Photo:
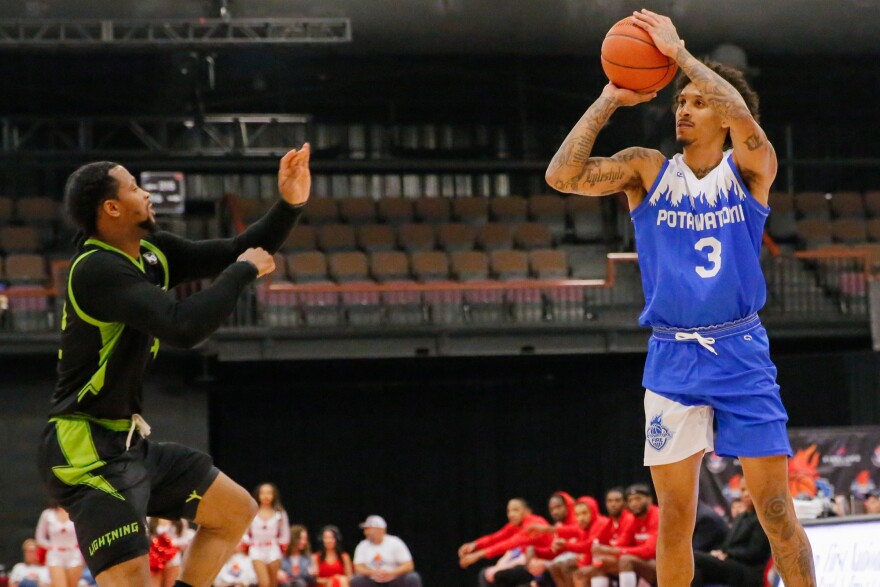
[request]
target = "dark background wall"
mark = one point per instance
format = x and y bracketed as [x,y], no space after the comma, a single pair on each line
[436,446]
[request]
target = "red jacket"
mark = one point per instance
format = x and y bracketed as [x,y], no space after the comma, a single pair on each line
[564,529]
[510,537]
[582,542]
[612,532]
[641,537]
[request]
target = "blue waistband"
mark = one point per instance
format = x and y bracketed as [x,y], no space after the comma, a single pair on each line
[716,331]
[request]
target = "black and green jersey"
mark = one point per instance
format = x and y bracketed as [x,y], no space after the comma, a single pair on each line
[117,309]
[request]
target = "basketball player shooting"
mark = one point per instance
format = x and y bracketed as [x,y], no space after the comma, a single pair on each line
[95,458]
[699,220]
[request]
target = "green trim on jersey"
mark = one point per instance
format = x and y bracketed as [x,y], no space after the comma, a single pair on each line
[123,425]
[79,312]
[163,260]
[110,332]
[139,263]
[75,440]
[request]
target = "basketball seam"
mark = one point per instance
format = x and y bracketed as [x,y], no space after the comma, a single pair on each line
[633,67]
[634,39]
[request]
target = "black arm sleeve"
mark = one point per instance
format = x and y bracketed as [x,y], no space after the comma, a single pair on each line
[188,260]
[109,288]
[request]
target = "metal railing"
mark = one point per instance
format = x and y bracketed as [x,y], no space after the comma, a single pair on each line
[806,287]
[819,284]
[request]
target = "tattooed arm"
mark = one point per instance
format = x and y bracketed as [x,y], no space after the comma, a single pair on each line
[573,170]
[752,151]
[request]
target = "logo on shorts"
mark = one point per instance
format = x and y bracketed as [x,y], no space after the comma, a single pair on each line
[658,434]
[112,536]
[193,497]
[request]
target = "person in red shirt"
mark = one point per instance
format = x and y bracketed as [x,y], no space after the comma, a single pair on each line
[620,516]
[514,534]
[636,550]
[578,543]
[561,508]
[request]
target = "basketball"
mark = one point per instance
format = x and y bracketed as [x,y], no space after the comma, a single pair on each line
[631,60]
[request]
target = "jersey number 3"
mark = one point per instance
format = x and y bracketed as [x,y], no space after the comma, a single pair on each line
[714,246]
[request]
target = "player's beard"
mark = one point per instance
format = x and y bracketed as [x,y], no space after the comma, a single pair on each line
[149,225]
[681,143]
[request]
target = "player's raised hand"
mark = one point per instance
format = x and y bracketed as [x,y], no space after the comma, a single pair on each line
[661,29]
[294,177]
[624,97]
[259,258]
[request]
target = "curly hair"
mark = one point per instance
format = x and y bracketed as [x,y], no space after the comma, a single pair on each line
[85,191]
[731,75]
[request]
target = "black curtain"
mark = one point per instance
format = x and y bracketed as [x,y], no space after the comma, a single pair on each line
[438,445]
[435,446]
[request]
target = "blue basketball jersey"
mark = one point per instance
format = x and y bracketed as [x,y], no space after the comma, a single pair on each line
[699,242]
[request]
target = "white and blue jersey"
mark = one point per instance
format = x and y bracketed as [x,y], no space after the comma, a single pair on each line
[699,243]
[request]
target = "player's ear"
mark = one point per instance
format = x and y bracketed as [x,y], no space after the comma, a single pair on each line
[111,208]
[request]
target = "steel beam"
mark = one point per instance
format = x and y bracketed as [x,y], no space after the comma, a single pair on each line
[172,33]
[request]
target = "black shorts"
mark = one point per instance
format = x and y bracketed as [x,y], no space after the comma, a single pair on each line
[109,491]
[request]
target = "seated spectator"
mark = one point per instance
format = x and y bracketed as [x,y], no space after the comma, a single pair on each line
[331,560]
[741,560]
[710,529]
[620,516]
[29,573]
[510,559]
[561,508]
[872,502]
[634,555]
[737,507]
[382,559]
[591,525]
[297,568]
[87,580]
[238,570]
[529,574]
[513,535]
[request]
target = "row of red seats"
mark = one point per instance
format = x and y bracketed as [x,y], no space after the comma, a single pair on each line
[423,266]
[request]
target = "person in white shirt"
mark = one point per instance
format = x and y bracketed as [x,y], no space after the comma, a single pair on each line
[382,559]
[29,573]
[238,570]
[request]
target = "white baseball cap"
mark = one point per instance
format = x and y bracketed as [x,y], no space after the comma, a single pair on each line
[374,522]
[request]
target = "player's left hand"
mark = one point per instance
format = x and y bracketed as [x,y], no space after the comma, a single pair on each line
[661,29]
[294,177]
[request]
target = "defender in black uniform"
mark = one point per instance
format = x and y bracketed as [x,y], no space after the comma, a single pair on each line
[95,458]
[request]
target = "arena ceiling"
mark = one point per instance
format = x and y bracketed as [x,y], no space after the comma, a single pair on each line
[550,27]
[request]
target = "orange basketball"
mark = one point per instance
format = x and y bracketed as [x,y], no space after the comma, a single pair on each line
[631,60]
